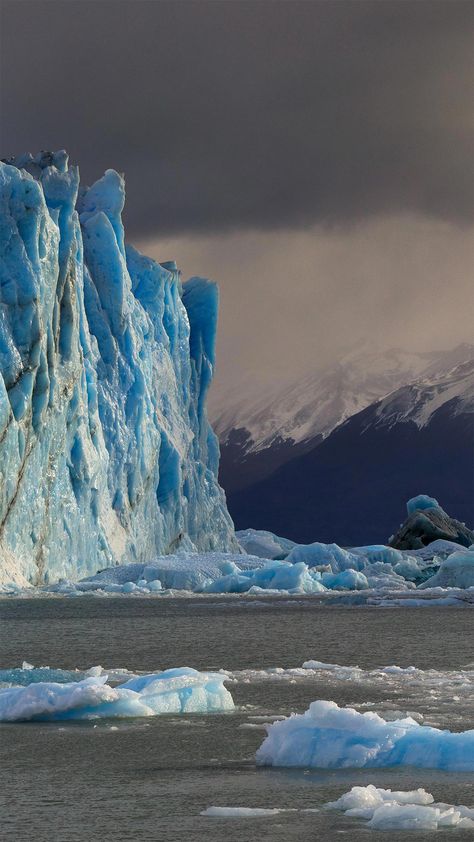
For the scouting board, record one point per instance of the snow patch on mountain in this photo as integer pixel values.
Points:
(323, 400)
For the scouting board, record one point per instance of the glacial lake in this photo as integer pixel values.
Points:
(149, 779)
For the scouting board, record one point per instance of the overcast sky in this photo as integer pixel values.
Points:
(315, 158)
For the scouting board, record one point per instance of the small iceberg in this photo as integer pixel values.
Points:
(455, 571)
(329, 737)
(173, 691)
(415, 810)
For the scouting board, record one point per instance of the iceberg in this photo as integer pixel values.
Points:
(191, 572)
(330, 737)
(455, 571)
(264, 544)
(106, 453)
(173, 691)
(273, 576)
(415, 810)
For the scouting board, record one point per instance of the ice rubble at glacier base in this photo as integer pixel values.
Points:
(442, 574)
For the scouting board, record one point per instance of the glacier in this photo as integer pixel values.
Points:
(106, 453)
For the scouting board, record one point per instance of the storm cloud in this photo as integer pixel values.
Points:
(249, 115)
(315, 158)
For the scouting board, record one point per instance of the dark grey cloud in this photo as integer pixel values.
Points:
(249, 114)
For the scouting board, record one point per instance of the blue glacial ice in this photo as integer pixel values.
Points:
(353, 576)
(106, 453)
(173, 691)
(455, 571)
(420, 503)
(330, 737)
(272, 576)
(264, 544)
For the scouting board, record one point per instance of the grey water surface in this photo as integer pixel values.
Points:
(149, 779)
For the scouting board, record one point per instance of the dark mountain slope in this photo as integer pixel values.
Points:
(351, 488)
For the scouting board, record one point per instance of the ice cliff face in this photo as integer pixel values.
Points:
(106, 454)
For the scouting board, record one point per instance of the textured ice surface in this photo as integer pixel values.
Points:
(456, 571)
(106, 453)
(274, 576)
(420, 503)
(189, 572)
(234, 573)
(415, 810)
(172, 691)
(327, 736)
(264, 544)
(373, 575)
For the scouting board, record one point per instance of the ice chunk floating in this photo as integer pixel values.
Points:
(415, 810)
(172, 691)
(240, 812)
(327, 736)
(106, 453)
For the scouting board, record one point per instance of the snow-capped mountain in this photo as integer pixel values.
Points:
(419, 401)
(258, 435)
(323, 400)
(348, 485)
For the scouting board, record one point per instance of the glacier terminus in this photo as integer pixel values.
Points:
(106, 453)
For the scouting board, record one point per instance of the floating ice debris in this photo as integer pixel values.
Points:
(415, 810)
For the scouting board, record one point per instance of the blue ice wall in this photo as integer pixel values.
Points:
(106, 454)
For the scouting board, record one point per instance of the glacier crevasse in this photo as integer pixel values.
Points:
(106, 453)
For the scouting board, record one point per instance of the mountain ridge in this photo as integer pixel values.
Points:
(348, 485)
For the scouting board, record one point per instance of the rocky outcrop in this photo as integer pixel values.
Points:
(428, 522)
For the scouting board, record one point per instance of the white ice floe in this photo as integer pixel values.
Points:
(328, 736)
(172, 691)
(415, 810)
(240, 812)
